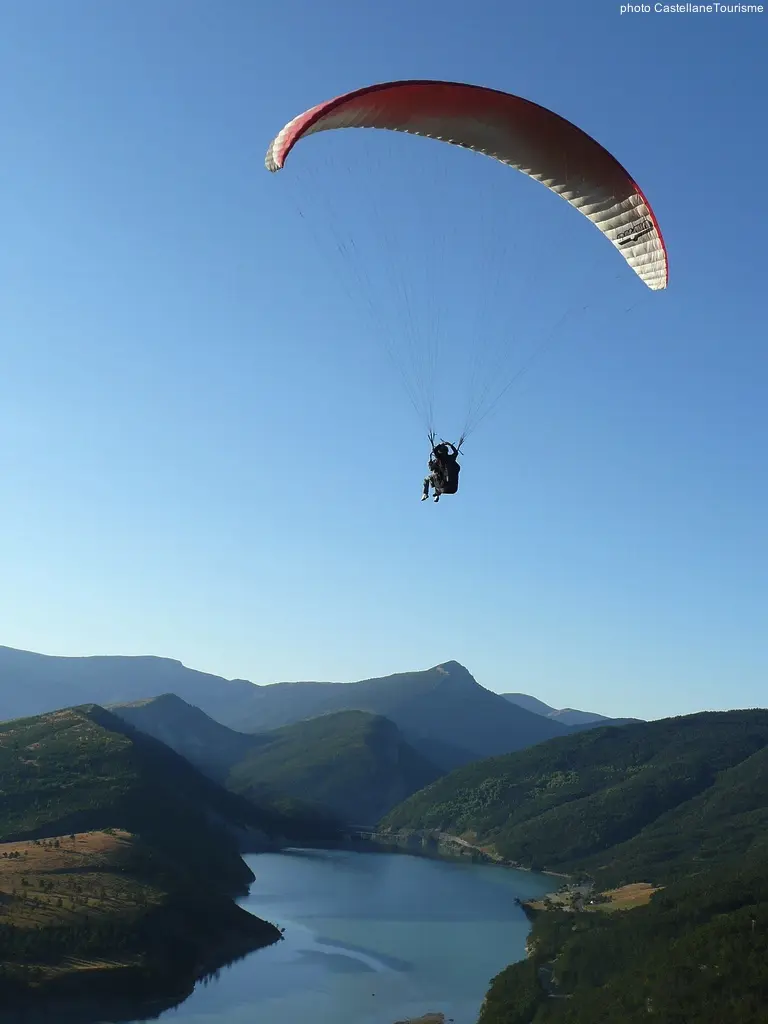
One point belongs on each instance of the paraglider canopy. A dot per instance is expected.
(515, 131)
(460, 303)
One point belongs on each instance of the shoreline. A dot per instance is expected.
(439, 846)
(89, 993)
(124, 992)
(87, 932)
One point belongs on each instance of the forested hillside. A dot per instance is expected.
(626, 804)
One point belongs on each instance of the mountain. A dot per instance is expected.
(566, 716)
(355, 764)
(208, 745)
(698, 951)
(641, 802)
(352, 762)
(443, 712)
(718, 827)
(84, 768)
(32, 684)
(119, 864)
(571, 716)
(524, 700)
(680, 803)
(697, 954)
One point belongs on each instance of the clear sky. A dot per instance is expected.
(204, 453)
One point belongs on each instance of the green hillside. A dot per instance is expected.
(680, 803)
(84, 768)
(354, 763)
(119, 862)
(717, 827)
(696, 955)
(630, 803)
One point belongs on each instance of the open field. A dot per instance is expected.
(55, 881)
(84, 849)
(636, 894)
(628, 896)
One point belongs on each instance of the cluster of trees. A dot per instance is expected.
(58, 767)
(48, 944)
(169, 934)
(166, 943)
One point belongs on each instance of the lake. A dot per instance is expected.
(370, 938)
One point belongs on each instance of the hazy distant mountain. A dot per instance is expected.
(211, 747)
(524, 700)
(443, 712)
(355, 764)
(32, 684)
(570, 716)
(566, 716)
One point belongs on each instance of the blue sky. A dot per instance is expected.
(191, 404)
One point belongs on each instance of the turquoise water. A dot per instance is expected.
(370, 938)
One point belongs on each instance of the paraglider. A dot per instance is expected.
(513, 131)
(444, 470)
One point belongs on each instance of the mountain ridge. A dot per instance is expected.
(567, 716)
(353, 765)
(442, 711)
(211, 747)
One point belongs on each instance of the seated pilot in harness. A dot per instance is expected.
(443, 471)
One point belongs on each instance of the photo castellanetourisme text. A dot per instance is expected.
(689, 8)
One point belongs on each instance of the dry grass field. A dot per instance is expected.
(628, 896)
(55, 881)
